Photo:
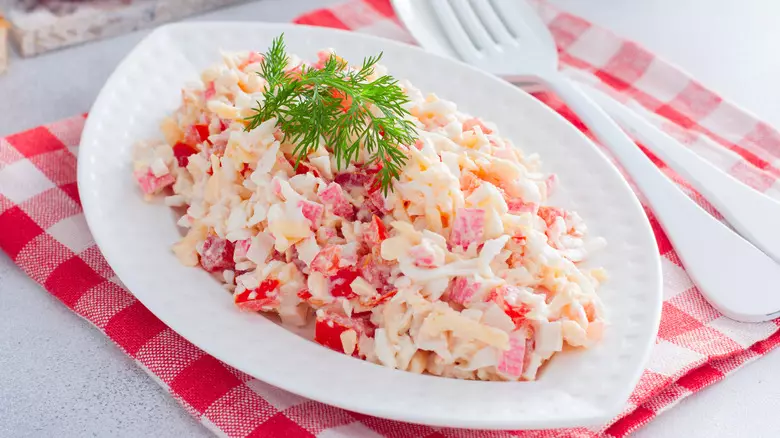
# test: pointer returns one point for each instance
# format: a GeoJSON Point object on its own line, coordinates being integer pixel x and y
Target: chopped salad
{"type": "Point", "coordinates": [461, 270]}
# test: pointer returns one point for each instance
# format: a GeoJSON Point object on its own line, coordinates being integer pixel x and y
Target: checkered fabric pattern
{"type": "Point", "coordinates": [43, 230]}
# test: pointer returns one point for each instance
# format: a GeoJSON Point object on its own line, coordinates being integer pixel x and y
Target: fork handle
{"type": "Point", "coordinates": [754, 215]}
{"type": "Point", "coordinates": [727, 269]}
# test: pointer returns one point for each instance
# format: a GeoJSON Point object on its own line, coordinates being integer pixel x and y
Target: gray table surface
{"type": "Point", "coordinates": [61, 377]}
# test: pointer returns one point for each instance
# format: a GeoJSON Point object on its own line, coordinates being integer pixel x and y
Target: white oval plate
{"type": "Point", "coordinates": [576, 388]}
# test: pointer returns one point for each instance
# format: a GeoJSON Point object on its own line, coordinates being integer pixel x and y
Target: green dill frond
{"type": "Point", "coordinates": [339, 108]}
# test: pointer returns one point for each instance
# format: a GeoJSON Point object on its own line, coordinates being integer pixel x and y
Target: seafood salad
{"type": "Point", "coordinates": [458, 267]}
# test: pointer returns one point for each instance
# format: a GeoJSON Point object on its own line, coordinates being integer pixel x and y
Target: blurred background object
{"type": "Point", "coordinates": [3, 43]}
{"type": "Point", "coordinates": [39, 26]}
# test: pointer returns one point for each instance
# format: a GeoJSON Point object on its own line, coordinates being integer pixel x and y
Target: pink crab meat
{"type": "Point", "coordinates": [327, 260]}
{"type": "Point", "coordinates": [312, 211]}
{"type": "Point", "coordinates": [219, 142]}
{"type": "Point", "coordinates": [373, 272]}
{"type": "Point", "coordinates": [333, 195]}
{"type": "Point", "coordinates": [352, 179]}
{"type": "Point", "coordinates": [241, 248]}
{"type": "Point", "coordinates": [468, 227]}
{"type": "Point", "coordinates": [324, 234]}
{"type": "Point", "coordinates": [322, 57]}
{"type": "Point", "coordinates": [422, 256]}
{"type": "Point", "coordinates": [469, 125]}
{"type": "Point", "coordinates": [377, 200]}
{"type": "Point", "coordinates": [550, 183]}
{"type": "Point", "coordinates": [462, 290]}
{"type": "Point", "coordinates": [517, 206]}
{"type": "Point", "coordinates": [511, 362]}
{"type": "Point", "coordinates": [550, 214]}
{"type": "Point", "coordinates": [253, 58]}
{"type": "Point", "coordinates": [217, 254]}
{"type": "Point", "coordinates": [277, 187]}
{"type": "Point", "coordinates": [210, 91]}
{"type": "Point", "coordinates": [151, 184]}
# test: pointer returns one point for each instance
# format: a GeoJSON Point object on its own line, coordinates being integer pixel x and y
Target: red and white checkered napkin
{"type": "Point", "coordinates": [42, 229]}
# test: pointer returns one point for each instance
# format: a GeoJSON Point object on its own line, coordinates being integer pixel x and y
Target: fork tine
{"type": "Point", "coordinates": [456, 34]}
{"type": "Point", "coordinates": [493, 22]}
{"type": "Point", "coordinates": [473, 25]}
{"type": "Point", "coordinates": [507, 11]}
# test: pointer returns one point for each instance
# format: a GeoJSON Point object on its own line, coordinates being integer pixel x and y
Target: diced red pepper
{"type": "Point", "coordinates": [341, 281]}
{"type": "Point", "coordinates": [380, 299]}
{"type": "Point", "coordinates": [329, 327]}
{"type": "Point", "coordinates": [246, 171]}
{"type": "Point", "coordinates": [217, 254]}
{"type": "Point", "coordinates": [327, 332]}
{"type": "Point", "coordinates": [182, 152]}
{"type": "Point", "coordinates": [304, 294]}
{"type": "Point", "coordinates": [517, 313]}
{"type": "Point", "coordinates": [196, 134]}
{"type": "Point", "coordinates": [266, 297]}
{"type": "Point", "coordinates": [203, 132]}
{"type": "Point", "coordinates": [372, 169]}
{"type": "Point", "coordinates": [303, 168]}
{"type": "Point", "coordinates": [327, 260]}
{"type": "Point", "coordinates": [376, 232]}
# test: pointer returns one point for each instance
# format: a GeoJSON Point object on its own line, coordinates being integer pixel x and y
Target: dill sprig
{"type": "Point", "coordinates": [338, 107]}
